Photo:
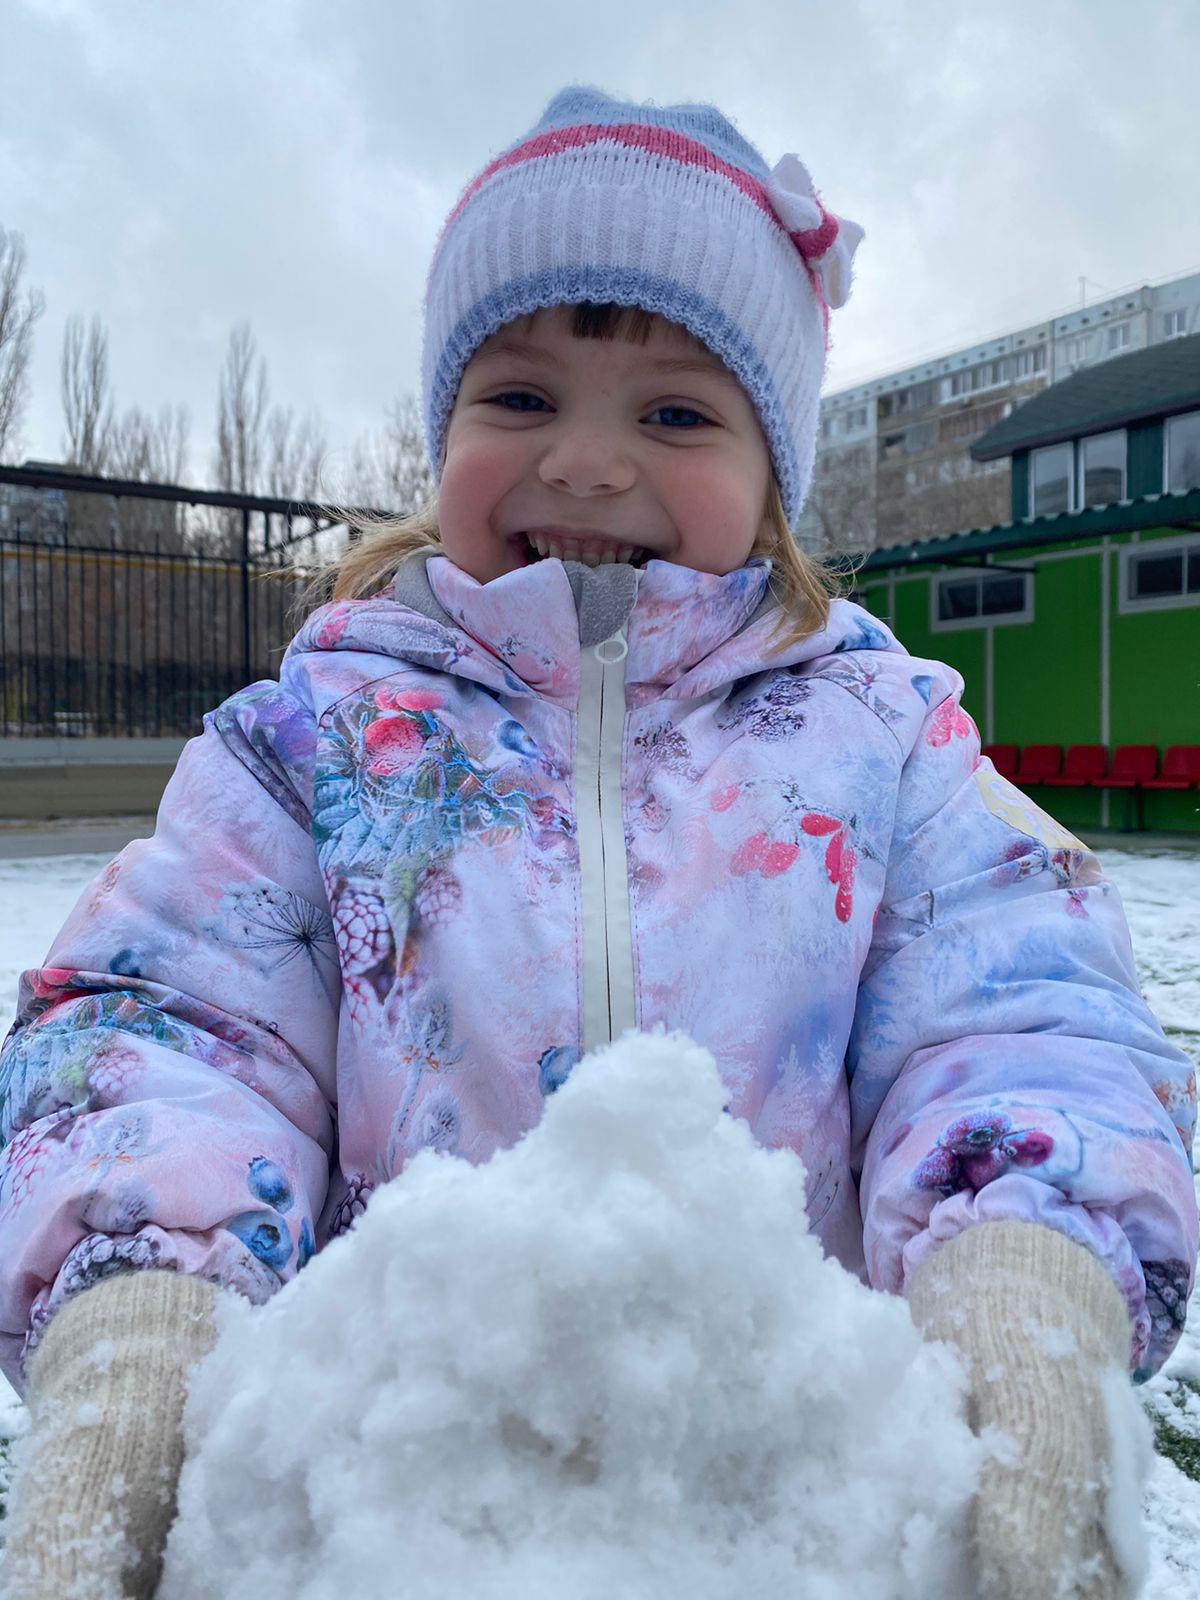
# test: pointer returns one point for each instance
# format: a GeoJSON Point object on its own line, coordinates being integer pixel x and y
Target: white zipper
{"type": "Point", "coordinates": [608, 989]}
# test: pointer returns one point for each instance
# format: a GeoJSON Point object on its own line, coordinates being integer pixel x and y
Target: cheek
{"type": "Point", "coordinates": [717, 501]}
{"type": "Point", "coordinates": [475, 479]}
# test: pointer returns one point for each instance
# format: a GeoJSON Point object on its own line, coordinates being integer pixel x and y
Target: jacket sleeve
{"type": "Point", "coordinates": [1003, 1064]}
{"type": "Point", "coordinates": [167, 1091]}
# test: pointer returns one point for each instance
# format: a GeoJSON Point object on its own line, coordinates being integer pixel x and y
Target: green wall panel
{"type": "Point", "coordinates": [1047, 688]}
{"type": "Point", "coordinates": [1047, 675]}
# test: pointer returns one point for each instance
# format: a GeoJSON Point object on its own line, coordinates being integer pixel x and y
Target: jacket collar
{"type": "Point", "coordinates": [687, 632]}
{"type": "Point", "coordinates": [540, 618]}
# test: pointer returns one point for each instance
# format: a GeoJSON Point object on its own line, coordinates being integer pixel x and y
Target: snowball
{"type": "Point", "coordinates": [609, 1362]}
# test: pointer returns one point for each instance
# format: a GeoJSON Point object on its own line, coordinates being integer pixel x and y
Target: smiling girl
{"type": "Point", "coordinates": [590, 745]}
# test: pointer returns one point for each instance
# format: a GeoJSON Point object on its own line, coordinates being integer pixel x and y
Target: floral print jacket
{"type": "Point", "coordinates": [392, 897]}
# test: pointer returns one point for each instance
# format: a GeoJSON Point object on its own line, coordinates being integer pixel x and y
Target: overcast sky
{"type": "Point", "coordinates": [178, 166]}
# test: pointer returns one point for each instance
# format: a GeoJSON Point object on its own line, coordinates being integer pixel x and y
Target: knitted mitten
{"type": "Point", "coordinates": [94, 1491]}
{"type": "Point", "coordinates": [1041, 1328]}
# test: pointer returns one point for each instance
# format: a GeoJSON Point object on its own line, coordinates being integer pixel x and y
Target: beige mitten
{"type": "Point", "coordinates": [1042, 1330]}
{"type": "Point", "coordinates": [94, 1488]}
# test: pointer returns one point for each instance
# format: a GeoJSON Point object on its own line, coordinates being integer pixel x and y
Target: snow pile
{"type": "Point", "coordinates": [610, 1362]}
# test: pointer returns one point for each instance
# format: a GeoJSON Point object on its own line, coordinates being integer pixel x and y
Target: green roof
{"type": "Point", "coordinates": [1124, 516]}
{"type": "Point", "coordinates": [1149, 383]}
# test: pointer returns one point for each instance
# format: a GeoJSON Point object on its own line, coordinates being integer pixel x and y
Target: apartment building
{"type": "Point", "coordinates": [893, 455]}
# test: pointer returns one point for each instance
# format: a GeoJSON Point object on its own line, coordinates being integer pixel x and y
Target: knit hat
{"type": "Point", "coordinates": [663, 207]}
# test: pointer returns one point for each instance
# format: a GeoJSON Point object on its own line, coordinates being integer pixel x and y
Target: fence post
{"type": "Point", "coordinates": [245, 594]}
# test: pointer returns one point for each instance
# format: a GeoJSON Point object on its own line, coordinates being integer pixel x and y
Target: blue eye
{"type": "Point", "coordinates": [681, 411]}
{"type": "Point", "coordinates": [515, 394]}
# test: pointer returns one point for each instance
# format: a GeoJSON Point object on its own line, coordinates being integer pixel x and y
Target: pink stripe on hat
{"type": "Point", "coordinates": [635, 136]}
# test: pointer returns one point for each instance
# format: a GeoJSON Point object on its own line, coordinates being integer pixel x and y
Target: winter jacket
{"type": "Point", "coordinates": [475, 831]}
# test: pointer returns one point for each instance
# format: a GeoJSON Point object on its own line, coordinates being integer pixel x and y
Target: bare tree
{"type": "Point", "coordinates": [18, 313]}
{"type": "Point", "coordinates": [294, 452]}
{"type": "Point", "coordinates": [241, 415]}
{"type": "Point", "coordinates": [150, 449]}
{"type": "Point", "coordinates": [86, 400]}
{"type": "Point", "coordinates": [388, 469]}
{"type": "Point", "coordinates": [842, 501]}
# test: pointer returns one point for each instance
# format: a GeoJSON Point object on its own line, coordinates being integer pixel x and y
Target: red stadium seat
{"type": "Point", "coordinates": [1004, 757]}
{"type": "Point", "coordinates": [1084, 762]}
{"type": "Point", "coordinates": [1039, 762]}
{"type": "Point", "coordinates": [1180, 769]}
{"type": "Point", "coordinates": [1132, 766]}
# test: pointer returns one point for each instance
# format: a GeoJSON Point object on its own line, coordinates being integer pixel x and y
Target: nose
{"type": "Point", "coordinates": [585, 459]}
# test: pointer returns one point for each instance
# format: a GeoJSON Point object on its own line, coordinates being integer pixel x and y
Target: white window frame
{"type": "Point", "coordinates": [1126, 604]}
{"type": "Point", "coordinates": [1072, 478]}
{"type": "Point", "coordinates": [959, 624]}
{"type": "Point", "coordinates": [1174, 323]}
{"type": "Point", "coordinates": [1166, 455]}
{"type": "Point", "coordinates": [1081, 451]}
{"type": "Point", "coordinates": [1113, 344]}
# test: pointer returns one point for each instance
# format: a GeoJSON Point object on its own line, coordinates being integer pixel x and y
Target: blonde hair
{"type": "Point", "coordinates": [801, 585]}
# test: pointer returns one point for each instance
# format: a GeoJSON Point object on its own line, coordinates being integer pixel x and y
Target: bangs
{"type": "Point", "coordinates": [630, 324]}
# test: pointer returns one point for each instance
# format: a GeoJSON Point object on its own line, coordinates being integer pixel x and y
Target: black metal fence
{"type": "Point", "coordinates": [130, 609]}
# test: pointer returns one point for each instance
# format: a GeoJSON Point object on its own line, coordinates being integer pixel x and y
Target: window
{"type": "Point", "coordinates": [1118, 337]}
{"type": "Point", "coordinates": [1181, 442]}
{"type": "Point", "coordinates": [1160, 575]}
{"type": "Point", "coordinates": [1174, 324]}
{"type": "Point", "coordinates": [1050, 480]}
{"type": "Point", "coordinates": [1102, 469]}
{"type": "Point", "coordinates": [959, 601]}
{"type": "Point", "coordinates": [921, 436]}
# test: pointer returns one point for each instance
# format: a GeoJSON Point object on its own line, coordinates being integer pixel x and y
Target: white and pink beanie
{"type": "Point", "coordinates": [663, 207]}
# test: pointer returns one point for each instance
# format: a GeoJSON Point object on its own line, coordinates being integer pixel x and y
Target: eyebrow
{"type": "Point", "coordinates": [668, 365]}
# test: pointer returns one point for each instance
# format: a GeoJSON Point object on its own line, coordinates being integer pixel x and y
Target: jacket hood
{"type": "Point", "coordinates": [687, 632]}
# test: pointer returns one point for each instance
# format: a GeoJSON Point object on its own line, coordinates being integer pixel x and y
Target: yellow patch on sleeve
{"type": "Point", "coordinates": [1005, 800]}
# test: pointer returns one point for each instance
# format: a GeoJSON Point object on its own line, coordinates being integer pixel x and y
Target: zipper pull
{"type": "Point", "coordinates": [618, 639]}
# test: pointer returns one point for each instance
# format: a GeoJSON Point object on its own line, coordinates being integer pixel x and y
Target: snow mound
{"type": "Point", "coordinates": [610, 1362]}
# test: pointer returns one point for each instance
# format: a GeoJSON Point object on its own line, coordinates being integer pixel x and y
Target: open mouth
{"type": "Point", "coordinates": [592, 552]}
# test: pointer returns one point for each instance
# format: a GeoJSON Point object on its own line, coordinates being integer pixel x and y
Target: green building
{"type": "Point", "coordinates": [1077, 622]}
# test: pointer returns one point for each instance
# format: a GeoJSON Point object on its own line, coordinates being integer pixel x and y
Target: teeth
{"type": "Point", "coordinates": [567, 551]}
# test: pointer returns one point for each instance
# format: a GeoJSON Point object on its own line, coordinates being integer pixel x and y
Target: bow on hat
{"type": "Point", "coordinates": [826, 242]}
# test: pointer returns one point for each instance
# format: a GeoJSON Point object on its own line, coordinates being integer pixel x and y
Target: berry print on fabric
{"type": "Point", "coordinates": [352, 1204]}
{"type": "Point", "coordinates": [977, 1149]}
{"type": "Point", "coordinates": [840, 859]}
{"type": "Point", "coordinates": [770, 714]}
{"type": "Point", "coordinates": [269, 1182]}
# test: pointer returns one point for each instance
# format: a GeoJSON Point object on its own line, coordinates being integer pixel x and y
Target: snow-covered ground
{"type": "Point", "coordinates": [1161, 893]}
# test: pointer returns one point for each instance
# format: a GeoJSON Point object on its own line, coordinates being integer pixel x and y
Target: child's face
{"type": "Point", "coordinates": [592, 444]}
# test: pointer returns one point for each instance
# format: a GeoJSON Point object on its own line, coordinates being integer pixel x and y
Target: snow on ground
{"type": "Point", "coordinates": [526, 1421]}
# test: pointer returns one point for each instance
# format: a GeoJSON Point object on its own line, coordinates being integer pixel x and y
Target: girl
{"type": "Point", "coordinates": [593, 747]}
